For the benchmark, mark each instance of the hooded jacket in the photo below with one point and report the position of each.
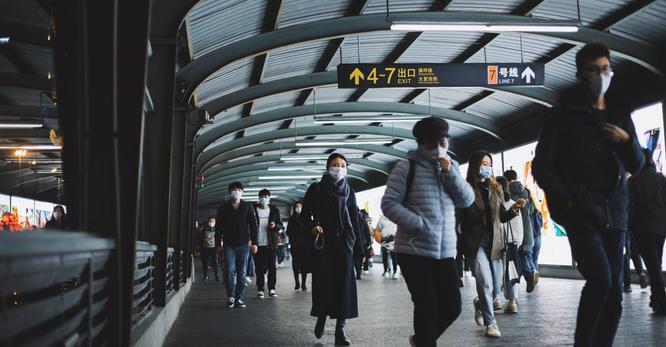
(426, 216)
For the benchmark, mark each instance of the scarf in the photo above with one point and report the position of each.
(338, 192)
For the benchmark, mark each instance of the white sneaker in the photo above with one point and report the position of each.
(511, 307)
(478, 315)
(493, 331)
(272, 293)
(260, 294)
(366, 272)
(279, 265)
(395, 276)
(386, 274)
(248, 280)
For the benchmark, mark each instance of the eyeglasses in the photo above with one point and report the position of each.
(595, 70)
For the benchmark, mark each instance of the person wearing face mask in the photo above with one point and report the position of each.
(209, 249)
(587, 143)
(331, 214)
(302, 247)
(421, 195)
(58, 219)
(237, 225)
(270, 228)
(484, 240)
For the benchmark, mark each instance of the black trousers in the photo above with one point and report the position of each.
(264, 261)
(631, 253)
(599, 255)
(206, 255)
(651, 247)
(385, 260)
(433, 284)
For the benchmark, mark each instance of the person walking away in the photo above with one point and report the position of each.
(270, 228)
(483, 236)
(361, 258)
(238, 235)
(331, 214)
(387, 231)
(647, 192)
(518, 191)
(210, 249)
(587, 143)
(302, 247)
(421, 196)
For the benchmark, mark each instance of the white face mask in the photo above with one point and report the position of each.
(599, 84)
(298, 210)
(237, 194)
(211, 224)
(57, 215)
(337, 173)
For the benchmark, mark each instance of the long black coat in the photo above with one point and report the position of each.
(647, 195)
(574, 163)
(333, 280)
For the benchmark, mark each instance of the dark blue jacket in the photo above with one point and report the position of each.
(575, 164)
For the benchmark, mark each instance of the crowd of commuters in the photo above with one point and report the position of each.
(438, 222)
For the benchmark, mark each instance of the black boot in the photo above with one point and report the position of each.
(341, 338)
(304, 277)
(319, 327)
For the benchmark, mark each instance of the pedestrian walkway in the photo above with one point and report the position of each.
(546, 317)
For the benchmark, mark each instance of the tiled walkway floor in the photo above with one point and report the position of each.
(546, 317)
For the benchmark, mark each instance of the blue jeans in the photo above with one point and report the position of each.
(535, 252)
(485, 284)
(236, 258)
(527, 259)
(599, 254)
(250, 266)
(498, 281)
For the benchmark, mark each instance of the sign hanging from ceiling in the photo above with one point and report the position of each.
(439, 75)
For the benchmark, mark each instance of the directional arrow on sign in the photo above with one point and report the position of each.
(528, 75)
(356, 75)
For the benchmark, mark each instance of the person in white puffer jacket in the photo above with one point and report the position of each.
(421, 196)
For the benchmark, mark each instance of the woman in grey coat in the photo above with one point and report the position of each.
(421, 196)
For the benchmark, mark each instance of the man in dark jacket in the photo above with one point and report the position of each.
(647, 220)
(238, 228)
(587, 144)
(270, 227)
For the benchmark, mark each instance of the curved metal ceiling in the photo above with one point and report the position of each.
(274, 70)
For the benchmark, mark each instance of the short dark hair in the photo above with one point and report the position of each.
(297, 202)
(590, 52)
(511, 175)
(333, 157)
(264, 192)
(430, 129)
(504, 182)
(211, 217)
(236, 185)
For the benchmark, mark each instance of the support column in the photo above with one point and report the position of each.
(157, 152)
(175, 187)
(186, 224)
(100, 88)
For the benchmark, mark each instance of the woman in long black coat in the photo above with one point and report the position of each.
(330, 211)
(302, 247)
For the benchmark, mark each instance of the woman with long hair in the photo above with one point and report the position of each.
(330, 213)
(483, 239)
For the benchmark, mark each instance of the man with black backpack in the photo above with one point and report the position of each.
(421, 196)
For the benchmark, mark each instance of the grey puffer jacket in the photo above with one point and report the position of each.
(518, 191)
(426, 220)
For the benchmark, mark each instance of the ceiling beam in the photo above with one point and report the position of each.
(25, 81)
(192, 75)
(465, 119)
(270, 23)
(216, 150)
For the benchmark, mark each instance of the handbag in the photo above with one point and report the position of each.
(513, 267)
